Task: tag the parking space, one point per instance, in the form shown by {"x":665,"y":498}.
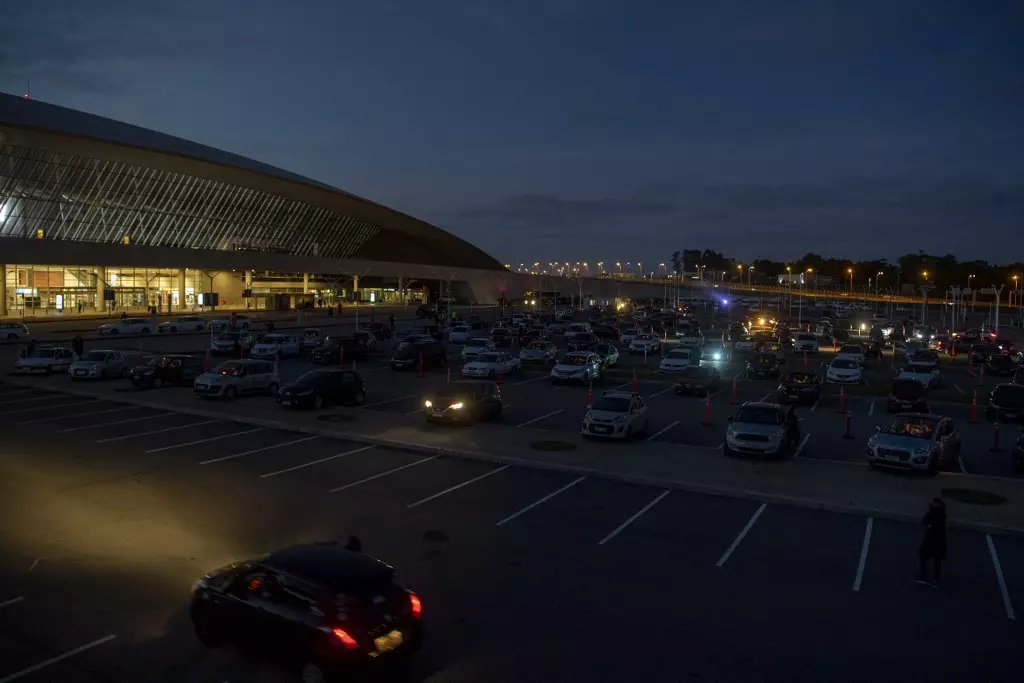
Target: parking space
{"x":180,"y":494}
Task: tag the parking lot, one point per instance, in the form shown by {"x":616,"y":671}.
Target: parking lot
{"x":111,"y":511}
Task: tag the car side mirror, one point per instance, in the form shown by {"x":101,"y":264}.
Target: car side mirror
{"x":878,"y":428}
{"x":22,"y":353}
{"x":729,"y":419}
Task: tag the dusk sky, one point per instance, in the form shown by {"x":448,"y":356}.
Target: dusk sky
{"x":585,"y":129}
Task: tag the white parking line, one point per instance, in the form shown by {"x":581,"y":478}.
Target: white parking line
{"x":863,"y":554}
{"x":735,"y":544}
{"x":17,"y":391}
{"x":527,"y":381}
{"x":57,"y":405}
{"x":118,"y":422}
{"x":538,"y":419}
{"x":315,"y":462}
{"x":957,"y":387}
{"x":212,"y":438}
{"x":661,"y":431}
{"x":815,"y":406}
{"x":1007,"y":605}
{"x":383,"y":474}
{"x":413,"y":412}
{"x":542,"y":500}
{"x":53,"y":660}
{"x":390,"y":400}
{"x":456,"y":487}
{"x":29,"y":400}
{"x":257,"y":450}
{"x":659,"y":393}
{"x":800,"y":448}
{"x":156,"y":431}
{"x":871,"y":409}
{"x":636,"y":515}
{"x":12,"y":601}
{"x":66,"y":417}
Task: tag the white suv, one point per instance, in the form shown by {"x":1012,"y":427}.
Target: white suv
{"x":806,"y":343}
{"x":13,"y":331}
{"x":236,"y":377}
{"x":615,"y":415}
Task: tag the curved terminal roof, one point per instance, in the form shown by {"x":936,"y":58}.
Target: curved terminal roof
{"x":373,"y":232}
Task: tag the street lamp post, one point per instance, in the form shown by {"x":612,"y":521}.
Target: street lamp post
{"x":974,"y":297}
{"x":850,"y":271}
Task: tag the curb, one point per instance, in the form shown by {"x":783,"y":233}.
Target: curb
{"x":481,"y":456}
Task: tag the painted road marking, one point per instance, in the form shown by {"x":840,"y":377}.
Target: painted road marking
{"x":541,"y":500}
{"x":736,"y":542}
{"x":118,"y":422}
{"x":957,"y":387}
{"x":871,"y":409}
{"x":636,"y":515}
{"x":456,"y":487}
{"x":661,"y":431}
{"x":315,"y":462}
{"x":383,"y":474}
{"x":53,"y":660}
{"x":257,"y":450}
{"x":527,"y":381}
{"x":212,"y":438}
{"x":413,"y":412}
{"x":1007,"y":605}
{"x":58,"y":405}
{"x":18,"y":391}
{"x":816,"y":402}
{"x":538,"y":419}
{"x":390,"y":400}
{"x":156,"y":431}
{"x":67,"y":417}
{"x":12,"y":601}
{"x":659,"y":393}
{"x":800,"y":448}
{"x":868,"y":526}
{"x":29,"y":400}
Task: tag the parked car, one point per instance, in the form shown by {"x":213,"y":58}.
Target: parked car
{"x":906,"y":396}
{"x":503,"y":338}
{"x":1006,"y":403}
{"x":645,"y":343}
{"x":318,"y":388}
{"x":377,"y":329}
{"x":44,"y":359}
{"x":99,"y":364}
{"x":581,"y":341}
{"x":494,"y":364}
{"x":983,"y":353}
{"x":463,"y":402}
{"x":127,"y":326}
{"x":460,"y":334}
{"x":10,"y":331}
{"x":844,"y":371}
{"x":354,"y":347}
{"x":697,"y":380}
{"x":805,"y":343}
{"x":916,"y":441}
{"x":275,"y":346}
{"x":872,"y":349}
{"x":475,"y":346}
{"x":580,"y":366}
{"x":231,"y":344}
{"x":234,"y":377}
{"x":615,"y":415}
{"x":234,"y":323}
{"x":1002,"y":366}
{"x":678,"y":360}
{"x":312,"y":337}
{"x":853,"y":352}
{"x":802,"y":387}
{"x":758,"y":428}
{"x":409,"y":354}
{"x":538,"y":353}
{"x":325,"y":608}
{"x":171,"y":369}
{"x":183,"y":323}
{"x":763,"y":365}
{"x":926,"y":373}
{"x":608,"y":353}
{"x":627,"y":335}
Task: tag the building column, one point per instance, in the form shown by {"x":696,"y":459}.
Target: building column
{"x":305,"y":283}
{"x":3,"y":290}
{"x":181,"y":288}
{"x":101,"y":285}
{"x":401,"y":289}
{"x":355,"y":288}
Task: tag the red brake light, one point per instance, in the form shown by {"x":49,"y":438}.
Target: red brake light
{"x":417,"y":605}
{"x":346,"y":640}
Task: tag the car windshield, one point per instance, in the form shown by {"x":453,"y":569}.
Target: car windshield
{"x":907,"y":390}
{"x":694,"y":371}
{"x":920,"y":368}
{"x":95,"y":355}
{"x":762,"y":415}
{"x":805,"y":337}
{"x":678,"y":354}
{"x":1007,"y":394}
{"x":460,"y":329}
{"x":43,"y":353}
{"x":231,"y":369}
{"x":272,"y":339}
{"x":500,"y":332}
{"x":800,"y":378}
{"x":488,"y":358}
{"x":228,"y":336}
{"x":537,"y":346}
{"x":165,"y":362}
{"x":843,"y":364}
{"x":477,"y":342}
{"x":574,"y":360}
{"x":311,"y":377}
{"x":916,"y":427}
{"x":851,"y":349}
{"x":612,"y":404}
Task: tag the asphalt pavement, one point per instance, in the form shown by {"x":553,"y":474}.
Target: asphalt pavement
{"x":111,"y":511}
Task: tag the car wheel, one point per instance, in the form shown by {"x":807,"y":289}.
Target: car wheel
{"x":318,"y":402}
{"x":360,"y":397}
{"x":114,"y":331}
{"x":11,"y":337}
{"x":157,"y":382}
{"x":230,"y":392}
{"x":272,"y":389}
{"x":312,"y":673}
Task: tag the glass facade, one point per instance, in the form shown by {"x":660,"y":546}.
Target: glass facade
{"x":54,"y":196}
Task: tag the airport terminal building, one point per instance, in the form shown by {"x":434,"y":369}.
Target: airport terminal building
{"x":100,"y":216}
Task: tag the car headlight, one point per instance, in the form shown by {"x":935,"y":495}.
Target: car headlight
{"x":730,"y":432}
{"x":427,"y":404}
{"x":149,"y":372}
{"x":773,"y":435}
{"x":307,"y":392}
{"x":716,"y":356}
{"x":621,"y":418}
{"x":94,"y":371}
{"x":456,"y":406}
{"x":871,"y":442}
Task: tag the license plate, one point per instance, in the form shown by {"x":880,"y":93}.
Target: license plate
{"x":793,"y":394}
{"x":600,"y":429}
{"x":892,"y":457}
{"x":906,"y":404}
{"x":287,"y":403}
{"x":80,"y":372}
{"x":388,"y":642}
{"x":201,"y":386}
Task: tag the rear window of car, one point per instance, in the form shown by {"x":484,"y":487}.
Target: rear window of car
{"x":612,"y":404}
{"x":907,"y":390}
{"x":1009,"y":393}
{"x":758,"y":415}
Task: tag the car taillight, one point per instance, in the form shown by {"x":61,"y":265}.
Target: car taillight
{"x":346,"y":640}
{"x":416,"y":605}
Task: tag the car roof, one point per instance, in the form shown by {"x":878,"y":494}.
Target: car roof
{"x":328,"y":565}
{"x":619,"y":394}
{"x":761,"y":404}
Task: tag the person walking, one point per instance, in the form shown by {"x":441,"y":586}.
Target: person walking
{"x":933,"y":547}
{"x":78,"y":346}
{"x":391,"y":323}
{"x":31,"y":348}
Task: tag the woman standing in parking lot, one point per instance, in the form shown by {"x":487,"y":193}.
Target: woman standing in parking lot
{"x":933,"y":547}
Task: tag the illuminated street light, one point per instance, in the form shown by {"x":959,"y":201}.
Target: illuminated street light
{"x":850,"y":271}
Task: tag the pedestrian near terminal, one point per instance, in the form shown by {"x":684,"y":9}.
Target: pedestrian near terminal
{"x":391,"y":322}
{"x":933,"y":547}
{"x":31,"y":348}
{"x":78,"y":346}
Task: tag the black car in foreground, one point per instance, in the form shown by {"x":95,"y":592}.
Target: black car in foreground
{"x":1003,"y":366}
{"x":698,"y":381}
{"x":802,"y":387}
{"x":167,"y":370}
{"x":873,"y":349}
{"x":906,"y":396}
{"x":1006,"y":404}
{"x":320,"y":608}
{"x":408,"y":354}
{"x":319,"y":388}
{"x":465,"y":401}
{"x":1018,"y":454}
